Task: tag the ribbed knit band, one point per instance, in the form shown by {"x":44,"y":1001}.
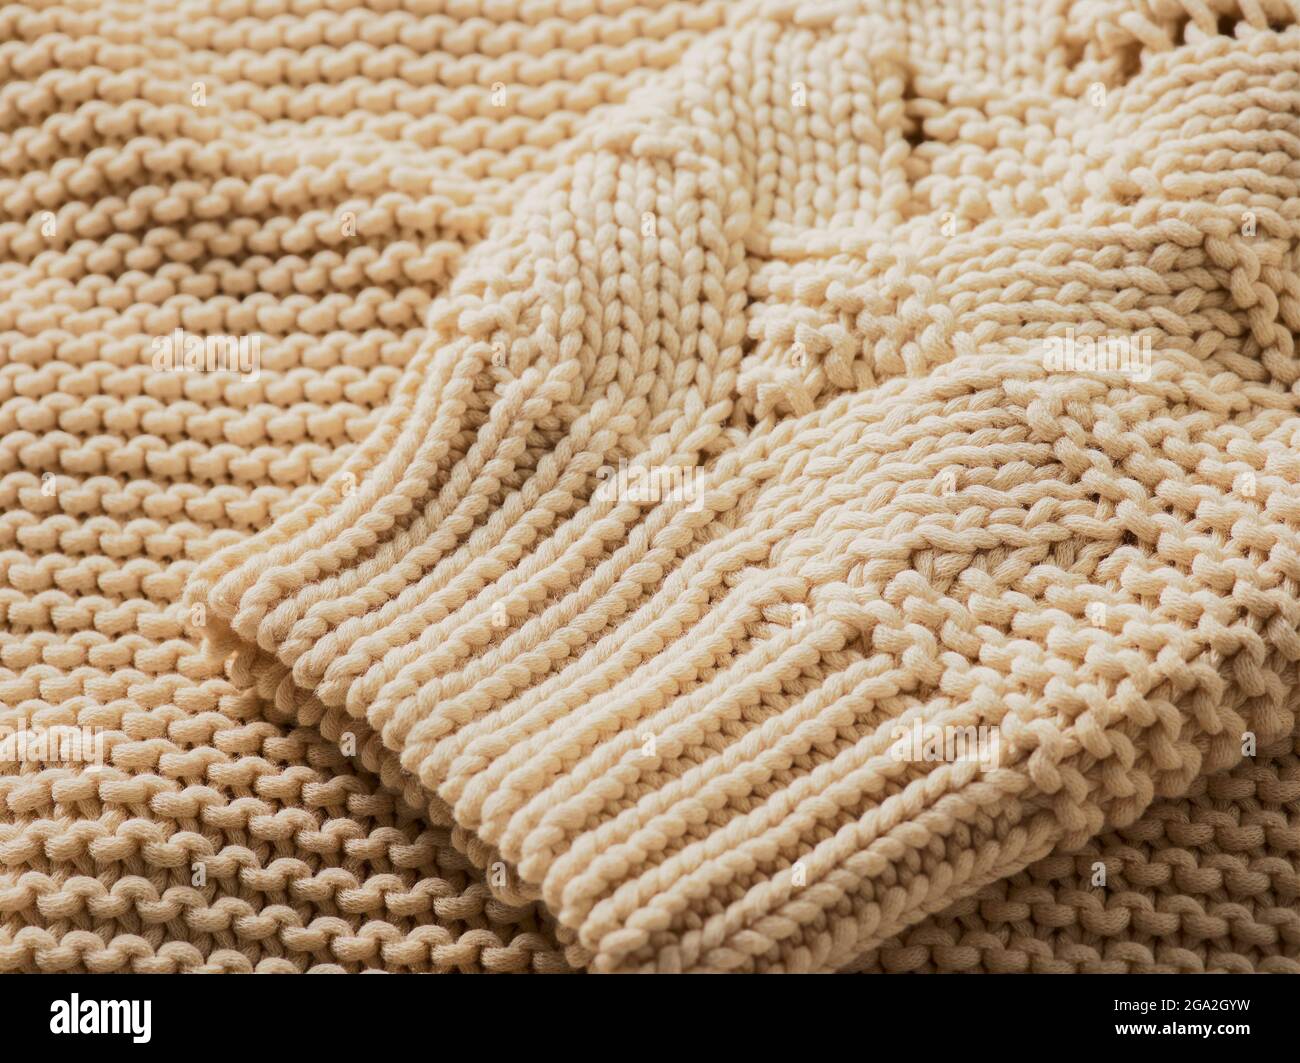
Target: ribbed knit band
{"x":817,"y":274}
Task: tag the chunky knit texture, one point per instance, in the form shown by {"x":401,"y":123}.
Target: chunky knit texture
{"x":1207,"y":883}
{"x":375,"y":646}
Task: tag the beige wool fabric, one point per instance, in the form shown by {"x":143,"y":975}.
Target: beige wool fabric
{"x":395,"y":672}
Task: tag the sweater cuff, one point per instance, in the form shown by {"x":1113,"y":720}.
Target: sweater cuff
{"x":767,"y":726}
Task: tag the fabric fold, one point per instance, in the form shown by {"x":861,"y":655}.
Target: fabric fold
{"x":691,"y":535}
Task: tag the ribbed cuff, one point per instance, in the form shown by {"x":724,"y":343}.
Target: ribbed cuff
{"x":700,"y":735}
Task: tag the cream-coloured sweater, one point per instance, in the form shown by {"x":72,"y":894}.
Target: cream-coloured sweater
{"x":666,"y":433}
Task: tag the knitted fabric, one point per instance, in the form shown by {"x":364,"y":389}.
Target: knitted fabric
{"x":1206,"y":883}
{"x":382,"y":643}
{"x":116,"y":479}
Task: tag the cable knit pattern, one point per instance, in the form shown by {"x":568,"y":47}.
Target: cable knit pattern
{"x":380,"y":638}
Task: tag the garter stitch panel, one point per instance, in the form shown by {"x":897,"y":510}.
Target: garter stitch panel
{"x":673,"y":720}
{"x":811,"y":250}
{"x":1204,"y":884}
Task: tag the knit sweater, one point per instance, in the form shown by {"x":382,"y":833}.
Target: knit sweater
{"x":648,"y":437}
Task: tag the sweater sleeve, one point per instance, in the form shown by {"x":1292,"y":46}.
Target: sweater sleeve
{"x":738,"y":683}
